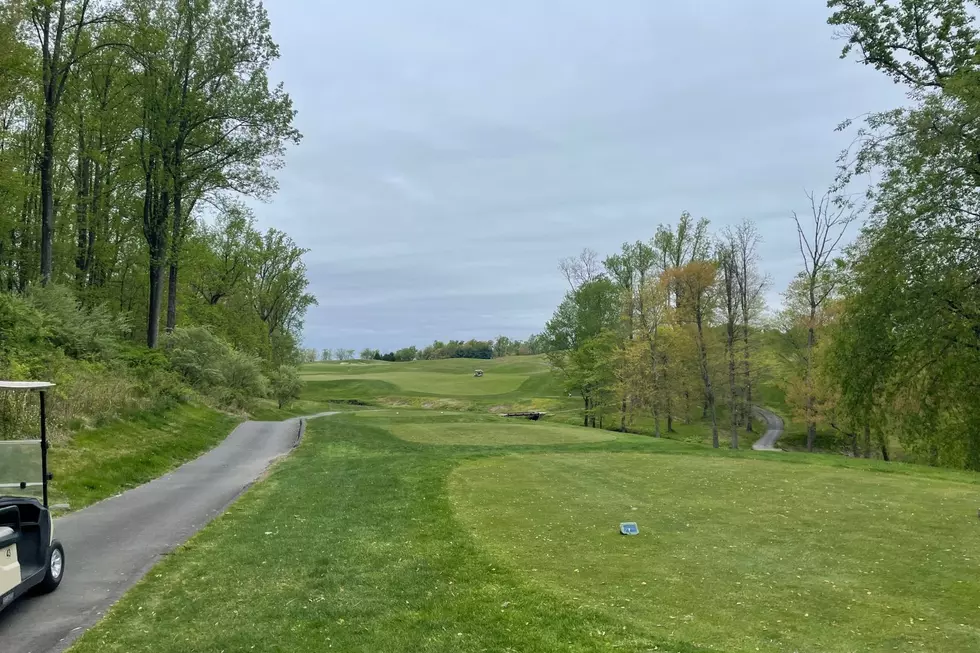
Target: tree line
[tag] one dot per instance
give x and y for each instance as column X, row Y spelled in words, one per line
column 478, row 349
column 129, row 131
column 652, row 329
column 876, row 346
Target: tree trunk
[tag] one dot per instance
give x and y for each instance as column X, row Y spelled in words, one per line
column 156, row 209
column 622, row 416
column 811, row 423
column 733, row 412
column 586, row 413
column 709, row 394
column 748, row 374
column 172, row 298
column 175, row 243
column 82, row 194
column 156, row 302
column 47, row 192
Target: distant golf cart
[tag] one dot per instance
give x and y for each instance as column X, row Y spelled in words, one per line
column 478, row 373
column 30, row 558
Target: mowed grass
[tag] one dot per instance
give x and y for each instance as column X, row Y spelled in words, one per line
column 497, row 434
column 739, row 555
column 435, row 383
column 365, row 541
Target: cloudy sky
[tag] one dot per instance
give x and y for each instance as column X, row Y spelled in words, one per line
column 455, row 151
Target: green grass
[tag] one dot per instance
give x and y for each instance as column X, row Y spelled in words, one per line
column 497, row 434
column 364, row 541
column 827, row 559
column 437, row 383
column 99, row 463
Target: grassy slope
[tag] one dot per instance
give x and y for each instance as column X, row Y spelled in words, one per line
column 99, row 463
column 363, row 541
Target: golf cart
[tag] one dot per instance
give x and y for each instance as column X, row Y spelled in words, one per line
column 30, row 558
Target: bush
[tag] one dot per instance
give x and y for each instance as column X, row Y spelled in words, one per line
column 286, row 385
column 92, row 333
column 213, row 367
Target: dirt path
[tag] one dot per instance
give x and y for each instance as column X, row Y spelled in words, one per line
column 774, row 430
column 111, row 545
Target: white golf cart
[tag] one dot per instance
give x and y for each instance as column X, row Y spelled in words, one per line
column 30, row 558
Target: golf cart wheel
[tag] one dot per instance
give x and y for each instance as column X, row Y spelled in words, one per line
column 56, row 569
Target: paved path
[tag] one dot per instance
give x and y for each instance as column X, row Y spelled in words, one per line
column 774, row 430
column 112, row 544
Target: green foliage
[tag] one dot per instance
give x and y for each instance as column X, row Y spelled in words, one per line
column 213, row 367
column 905, row 359
column 81, row 332
column 286, row 385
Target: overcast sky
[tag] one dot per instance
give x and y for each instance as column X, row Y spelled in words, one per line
column 454, row 151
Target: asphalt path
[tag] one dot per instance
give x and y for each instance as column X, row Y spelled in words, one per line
column 774, row 430
column 109, row 546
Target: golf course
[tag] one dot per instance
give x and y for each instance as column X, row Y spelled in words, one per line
column 421, row 519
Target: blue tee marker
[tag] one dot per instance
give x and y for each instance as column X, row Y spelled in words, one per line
column 629, row 528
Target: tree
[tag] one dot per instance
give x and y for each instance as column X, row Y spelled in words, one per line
column 344, row 354
column 580, row 339
column 675, row 249
column 279, row 293
column 730, row 300
column 368, row 354
column 286, row 385
column 228, row 255
column 751, row 285
column 581, row 270
column 652, row 312
column 694, row 284
column 629, row 270
column 195, row 140
column 818, row 243
column 326, row 355
column 59, row 27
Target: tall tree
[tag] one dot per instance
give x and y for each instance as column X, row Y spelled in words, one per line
column 730, row 299
column 59, row 26
column 818, row 243
column 751, row 283
column 694, row 284
column 211, row 120
column 279, row 293
column 675, row 249
column 582, row 269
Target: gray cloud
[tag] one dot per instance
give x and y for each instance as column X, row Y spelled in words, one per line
column 454, row 152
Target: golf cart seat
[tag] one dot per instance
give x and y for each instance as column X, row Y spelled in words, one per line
column 8, row 536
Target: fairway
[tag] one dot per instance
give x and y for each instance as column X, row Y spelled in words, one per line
column 497, row 433
column 433, row 383
column 739, row 554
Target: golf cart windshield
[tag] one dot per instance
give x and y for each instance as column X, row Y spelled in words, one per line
column 20, row 468
column 23, row 463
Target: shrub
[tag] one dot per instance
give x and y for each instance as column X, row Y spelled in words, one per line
column 286, row 385
column 80, row 332
column 213, row 367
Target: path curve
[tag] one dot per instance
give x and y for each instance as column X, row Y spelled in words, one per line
column 774, row 430
column 109, row 546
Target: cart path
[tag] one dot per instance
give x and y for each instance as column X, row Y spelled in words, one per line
column 774, row 430
column 109, row 546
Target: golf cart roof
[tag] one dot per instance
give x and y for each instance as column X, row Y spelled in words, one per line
column 25, row 385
